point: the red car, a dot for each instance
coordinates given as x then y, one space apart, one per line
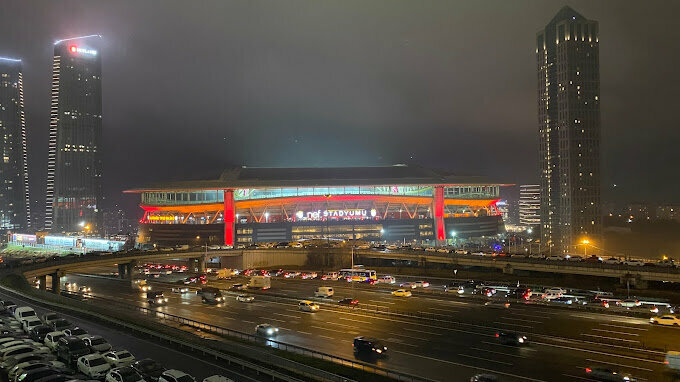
348 302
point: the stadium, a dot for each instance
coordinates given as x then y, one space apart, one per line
379 204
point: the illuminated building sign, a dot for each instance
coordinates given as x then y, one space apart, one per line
160 218
356 213
75 49
18 237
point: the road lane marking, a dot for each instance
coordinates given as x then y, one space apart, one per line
511 324
508 346
300 331
287 315
342 325
422 331
411 337
250 322
617 364
350 319
501 353
520 319
599 352
485 359
615 332
609 338
471 367
625 327
400 342
335 330
383 302
443 310
326 337
272 319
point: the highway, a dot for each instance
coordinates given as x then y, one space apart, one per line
562 342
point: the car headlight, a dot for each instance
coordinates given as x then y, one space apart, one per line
521 340
378 350
269 331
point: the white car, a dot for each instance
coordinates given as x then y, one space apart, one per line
387 279
244 298
629 303
173 375
635 263
78 332
308 306
119 358
266 330
574 258
52 338
536 256
97 343
24 313
408 285
217 378
123 374
422 284
611 260
30 323
180 290
665 320
554 258
93 365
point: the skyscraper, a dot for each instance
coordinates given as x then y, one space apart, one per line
74 170
567 53
14 202
530 205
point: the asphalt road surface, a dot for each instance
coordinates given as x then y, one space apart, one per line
562 343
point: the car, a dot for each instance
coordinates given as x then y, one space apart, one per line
28 357
23 367
485 378
93 365
667 263
156 298
39 332
511 338
536 256
61 324
411 285
431 249
348 301
245 298
48 318
84 289
267 330
554 258
574 258
368 347
634 263
173 375
97 343
36 374
217 378
629 303
148 368
7 353
592 259
70 348
308 306
665 320
402 293
563 300
30 323
387 279
76 332
52 338
239 286
442 250
69 285
180 290
611 260
422 284
308 275
123 374
23 313
606 374
117 358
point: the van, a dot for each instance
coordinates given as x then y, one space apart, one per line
330 276
672 361
324 291
23 313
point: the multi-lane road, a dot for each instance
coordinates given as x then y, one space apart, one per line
562 343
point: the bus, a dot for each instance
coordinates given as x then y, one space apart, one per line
358 274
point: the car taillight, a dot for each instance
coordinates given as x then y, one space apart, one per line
588 370
665 362
497 335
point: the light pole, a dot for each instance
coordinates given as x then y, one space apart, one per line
585 243
453 238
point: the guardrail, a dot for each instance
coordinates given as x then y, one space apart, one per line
210 328
275 375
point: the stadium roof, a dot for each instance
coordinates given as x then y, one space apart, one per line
260 177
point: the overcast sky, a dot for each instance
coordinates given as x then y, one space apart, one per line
191 87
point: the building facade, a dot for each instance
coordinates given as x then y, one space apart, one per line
530 205
15 212
250 205
74 171
567 53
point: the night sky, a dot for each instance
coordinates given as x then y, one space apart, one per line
191 87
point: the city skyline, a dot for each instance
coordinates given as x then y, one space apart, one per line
232 128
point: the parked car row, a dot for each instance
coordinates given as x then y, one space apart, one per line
49 348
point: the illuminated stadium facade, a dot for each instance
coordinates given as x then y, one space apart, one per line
250 205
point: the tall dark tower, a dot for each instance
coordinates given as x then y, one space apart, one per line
567 55
15 212
74 170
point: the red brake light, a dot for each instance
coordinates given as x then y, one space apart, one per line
665 362
588 370
497 335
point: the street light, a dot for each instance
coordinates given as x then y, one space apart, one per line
585 243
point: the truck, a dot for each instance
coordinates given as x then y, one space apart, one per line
210 295
260 282
225 273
